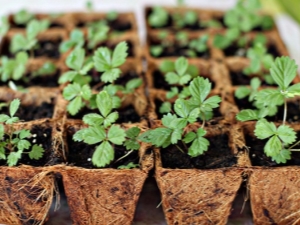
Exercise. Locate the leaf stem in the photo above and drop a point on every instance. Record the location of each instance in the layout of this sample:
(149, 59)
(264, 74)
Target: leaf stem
(180, 149)
(294, 150)
(297, 143)
(203, 120)
(124, 156)
(285, 112)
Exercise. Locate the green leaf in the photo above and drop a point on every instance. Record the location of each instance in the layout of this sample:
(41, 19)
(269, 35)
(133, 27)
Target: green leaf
(23, 144)
(270, 97)
(116, 134)
(76, 59)
(2, 152)
(103, 154)
(247, 114)
(165, 107)
(133, 132)
(181, 65)
(242, 92)
(67, 76)
(119, 54)
(132, 145)
(24, 134)
(104, 103)
(133, 84)
(110, 119)
(93, 119)
(200, 88)
(12, 120)
(282, 156)
(211, 102)
(79, 135)
(36, 152)
(176, 136)
(293, 90)
(86, 92)
(273, 146)
(158, 137)
(1, 131)
(22, 17)
(74, 105)
(264, 129)
(286, 134)
(283, 71)
(4, 118)
(156, 50)
(102, 59)
(13, 158)
(172, 93)
(198, 147)
(167, 66)
(94, 135)
(182, 108)
(111, 75)
(71, 91)
(172, 78)
(13, 107)
(189, 137)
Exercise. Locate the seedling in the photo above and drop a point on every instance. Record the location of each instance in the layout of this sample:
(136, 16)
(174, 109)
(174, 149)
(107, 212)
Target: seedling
(13, 69)
(158, 17)
(28, 41)
(281, 139)
(157, 50)
(48, 68)
(112, 16)
(103, 133)
(14, 142)
(187, 111)
(23, 17)
(210, 24)
(76, 41)
(89, 6)
(244, 91)
(198, 46)
(187, 19)
(97, 33)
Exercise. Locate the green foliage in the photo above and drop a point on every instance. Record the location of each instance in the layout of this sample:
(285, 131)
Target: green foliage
(15, 142)
(158, 17)
(112, 15)
(198, 45)
(224, 41)
(108, 62)
(48, 68)
(13, 69)
(180, 20)
(130, 165)
(89, 6)
(97, 33)
(283, 71)
(244, 91)
(76, 40)
(199, 143)
(28, 41)
(4, 26)
(103, 133)
(156, 50)
(211, 24)
(23, 17)
(180, 75)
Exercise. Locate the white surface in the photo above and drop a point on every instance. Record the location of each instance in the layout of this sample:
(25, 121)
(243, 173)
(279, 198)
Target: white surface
(289, 30)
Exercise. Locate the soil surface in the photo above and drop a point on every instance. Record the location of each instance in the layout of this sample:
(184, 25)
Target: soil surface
(41, 136)
(80, 154)
(258, 157)
(115, 25)
(292, 112)
(32, 112)
(243, 103)
(217, 156)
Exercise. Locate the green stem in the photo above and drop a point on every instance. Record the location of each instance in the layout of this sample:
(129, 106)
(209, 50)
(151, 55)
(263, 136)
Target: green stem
(203, 120)
(285, 112)
(124, 156)
(297, 143)
(294, 150)
(180, 149)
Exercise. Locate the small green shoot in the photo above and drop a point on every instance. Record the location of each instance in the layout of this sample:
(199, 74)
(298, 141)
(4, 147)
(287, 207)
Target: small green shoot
(97, 33)
(158, 17)
(14, 142)
(4, 26)
(198, 45)
(23, 17)
(76, 41)
(281, 139)
(112, 16)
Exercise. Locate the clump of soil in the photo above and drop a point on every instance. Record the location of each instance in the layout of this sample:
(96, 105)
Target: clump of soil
(218, 156)
(80, 154)
(40, 136)
(292, 112)
(115, 25)
(32, 112)
(259, 158)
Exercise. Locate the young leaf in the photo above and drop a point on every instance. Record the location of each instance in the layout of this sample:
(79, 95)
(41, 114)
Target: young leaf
(104, 103)
(119, 54)
(13, 158)
(247, 114)
(13, 107)
(93, 119)
(116, 134)
(181, 65)
(133, 132)
(94, 135)
(264, 129)
(199, 144)
(282, 156)
(129, 166)
(200, 88)
(286, 134)
(158, 17)
(103, 154)
(36, 152)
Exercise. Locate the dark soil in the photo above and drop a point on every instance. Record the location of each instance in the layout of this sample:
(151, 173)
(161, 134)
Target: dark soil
(43, 137)
(217, 156)
(258, 157)
(243, 103)
(239, 78)
(48, 48)
(32, 112)
(42, 81)
(292, 112)
(126, 115)
(80, 154)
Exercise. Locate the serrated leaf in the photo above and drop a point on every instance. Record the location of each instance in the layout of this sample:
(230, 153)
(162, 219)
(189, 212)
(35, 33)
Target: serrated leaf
(76, 59)
(94, 135)
(71, 91)
(242, 92)
(200, 88)
(2, 153)
(167, 66)
(131, 145)
(1, 131)
(198, 147)
(86, 92)
(104, 103)
(184, 79)
(102, 59)
(79, 135)
(211, 102)
(13, 158)
(172, 93)
(172, 78)
(103, 154)
(111, 75)
(286, 134)
(282, 156)
(264, 129)
(176, 135)
(247, 114)
(189, 137)
(13, 107)
(158, 137)
(116, 134)
(24, 134)
(133, 132)
(110, 119)
(269, 97)
(273, 146)
(93, 119)
(181, 65)
(74, 105)
(167, 119)
(133, 84)
(67, 76)
(4, 118)
(36, 152)
(165, 107)
(23, 144)
(119, 54)
(182, 108)
(283, 71)
(293, 90)
(12, 120)
(128, 166)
